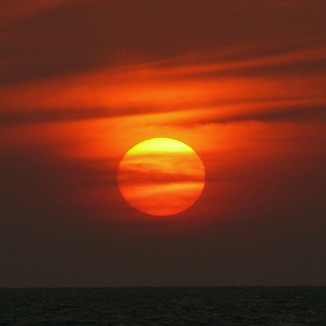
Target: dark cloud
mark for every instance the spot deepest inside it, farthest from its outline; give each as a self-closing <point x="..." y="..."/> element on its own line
<point x="294" y="114"/>
<point x="274" y="113"/>
<point x="26" y="117"/>
<point x="81" y="36"/>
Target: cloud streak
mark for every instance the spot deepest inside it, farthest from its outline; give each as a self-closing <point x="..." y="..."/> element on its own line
<point x="275" y="113"/>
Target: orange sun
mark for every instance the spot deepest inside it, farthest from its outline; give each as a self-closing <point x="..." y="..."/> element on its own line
<point x="161" y="176"/>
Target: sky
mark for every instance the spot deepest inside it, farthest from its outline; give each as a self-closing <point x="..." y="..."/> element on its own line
<point x="240" y="82"/>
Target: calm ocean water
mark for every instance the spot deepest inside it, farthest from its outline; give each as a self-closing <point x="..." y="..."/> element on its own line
<point x="164" y="306"/>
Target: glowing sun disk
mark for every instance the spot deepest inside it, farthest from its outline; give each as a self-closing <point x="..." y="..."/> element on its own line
<point x="161" y="176"/>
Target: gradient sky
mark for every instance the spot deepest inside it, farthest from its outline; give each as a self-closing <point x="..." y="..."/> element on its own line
<point x="241" y="82"/>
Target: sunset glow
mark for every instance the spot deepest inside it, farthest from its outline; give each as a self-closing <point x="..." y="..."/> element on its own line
<point x="190" y="130"/>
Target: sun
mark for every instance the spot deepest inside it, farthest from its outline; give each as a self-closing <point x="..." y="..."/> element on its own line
<point x="161" y="176"/>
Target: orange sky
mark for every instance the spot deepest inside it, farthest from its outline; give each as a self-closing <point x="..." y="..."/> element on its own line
<point x="242" y="83"/>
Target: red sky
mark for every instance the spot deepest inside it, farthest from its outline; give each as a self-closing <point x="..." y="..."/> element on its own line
<point x="241" y="82"/>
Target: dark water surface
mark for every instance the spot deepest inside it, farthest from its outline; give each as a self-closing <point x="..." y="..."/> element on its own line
<point x="164" y="306"/>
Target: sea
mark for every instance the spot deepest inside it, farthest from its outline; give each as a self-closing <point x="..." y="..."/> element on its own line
<point x="164" y="306"/>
